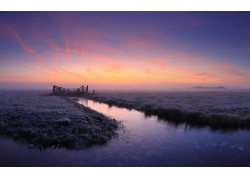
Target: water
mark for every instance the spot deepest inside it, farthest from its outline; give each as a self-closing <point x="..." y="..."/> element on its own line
<point x="143" y="141"/>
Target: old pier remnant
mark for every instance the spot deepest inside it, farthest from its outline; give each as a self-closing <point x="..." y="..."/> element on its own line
<point x="58" y="90"/>
<point x="74" y="92"/>
<point x="87" y="89"/>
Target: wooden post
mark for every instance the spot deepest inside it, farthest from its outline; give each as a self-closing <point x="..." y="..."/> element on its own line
<point x="63" y="91"/>
<point x="87" y="89"/>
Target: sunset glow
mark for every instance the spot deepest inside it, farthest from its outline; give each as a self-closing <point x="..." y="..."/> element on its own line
<point x="135" y="49"/>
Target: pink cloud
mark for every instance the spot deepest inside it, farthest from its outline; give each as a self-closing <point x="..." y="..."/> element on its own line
<point x="58" y="71"/>
<point x="230" y="73"/>
<point x="108" y="59"/>
<point x="192" y="75"/>
<point x="66" y="41"/>
<point x="110" y="68"/>
<point x="99" y="48"/>
<point x="20" y="64"/>
<point x="61" y="53"/>
<point x="160" y="63"/>
<point x="78" y="48"/>
<point x="139" y="42"/>
<point x="51" y="44"/>
<point x="218" y="65"/>
<point x="229" y="69"/>
<point x="31" y="68"/>
<point x="65" y="55"/>
<point x="147" y="71"/>
<point x="69" y="72"/>
<point x="145" y="48"/>
<point x="23" y="45"/>
<point x="54" y="58"/>
<point x="185" y="57"/>
<point x="58" y="49"/>
<point x="90" y="71"/>
<point x="235" y="72"/>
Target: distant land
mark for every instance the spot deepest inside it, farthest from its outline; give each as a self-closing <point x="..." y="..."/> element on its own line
<point x="216" y="87"/>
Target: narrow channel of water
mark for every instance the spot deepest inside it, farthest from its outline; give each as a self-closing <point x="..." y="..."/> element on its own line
<point x="143" y="141"/>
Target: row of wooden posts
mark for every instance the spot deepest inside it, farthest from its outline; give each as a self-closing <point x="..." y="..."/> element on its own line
<point x="80" y="90"/>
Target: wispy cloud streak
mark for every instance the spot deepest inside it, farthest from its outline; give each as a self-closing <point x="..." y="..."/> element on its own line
<point x="23" y="45"/>
<point x="90" y="71"/>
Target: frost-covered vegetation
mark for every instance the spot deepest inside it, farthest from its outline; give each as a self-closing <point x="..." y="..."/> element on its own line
<point x="46" y="120"/>
<point x="218" y="109"/>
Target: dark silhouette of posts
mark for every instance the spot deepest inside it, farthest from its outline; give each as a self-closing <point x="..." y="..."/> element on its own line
<point x="58" y="90"/>
<point x="54" y="89"/>
<point x="82" y="89"/>
<point x="75" y="91"/>
<point x="87" y="89"/>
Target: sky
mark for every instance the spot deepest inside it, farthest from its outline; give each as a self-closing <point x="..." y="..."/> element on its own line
<point x="137" y="50"/>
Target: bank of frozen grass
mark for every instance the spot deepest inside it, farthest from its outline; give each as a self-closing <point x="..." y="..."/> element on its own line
<point x="46" y="120"/>
<point x="214" y="109"/>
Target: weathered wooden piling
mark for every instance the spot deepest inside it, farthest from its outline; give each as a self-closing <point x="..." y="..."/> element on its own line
<point x="87" y="90"/>
<point x="75" y="91"/>
<point x="82" y="89"/>
<point x="58" y="90"/>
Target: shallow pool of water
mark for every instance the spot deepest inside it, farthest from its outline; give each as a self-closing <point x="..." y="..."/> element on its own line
<point x="142" y="141"/>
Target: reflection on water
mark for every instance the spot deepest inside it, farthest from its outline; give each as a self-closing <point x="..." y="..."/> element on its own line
<point x="143" y="141"/>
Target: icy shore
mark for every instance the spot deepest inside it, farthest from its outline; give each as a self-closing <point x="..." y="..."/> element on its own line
<point x="45" y="120"/>
<point x="218" y="109"/>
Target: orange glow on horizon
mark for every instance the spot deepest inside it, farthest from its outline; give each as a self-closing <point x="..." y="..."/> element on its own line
<point x="60" y="49"/>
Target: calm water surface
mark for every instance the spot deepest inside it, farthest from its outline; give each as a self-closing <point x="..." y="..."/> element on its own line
<point x="143" y="141"/>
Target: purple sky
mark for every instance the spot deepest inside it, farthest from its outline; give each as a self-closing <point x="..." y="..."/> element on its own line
<point x="124" y="49"/>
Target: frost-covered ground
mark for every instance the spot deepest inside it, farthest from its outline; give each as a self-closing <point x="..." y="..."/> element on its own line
<point x="200" y="106"/>
<point x="46" y="120"/>
<point x="230" y="102"/>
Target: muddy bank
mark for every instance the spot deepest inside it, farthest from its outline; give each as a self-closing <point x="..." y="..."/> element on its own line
<point x="45" y="120"/>
<point x="149" y="104"/>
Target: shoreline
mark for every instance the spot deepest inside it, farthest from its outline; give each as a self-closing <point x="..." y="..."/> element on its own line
<point x="46" y="120"/>
<point x="178" y="116"/>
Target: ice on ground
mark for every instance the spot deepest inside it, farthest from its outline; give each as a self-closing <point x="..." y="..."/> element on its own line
<point x="227" y="102"/>
<point x="241" y="148"/>
<point x="223" y="144"/>
<point x="52" y="120"/>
